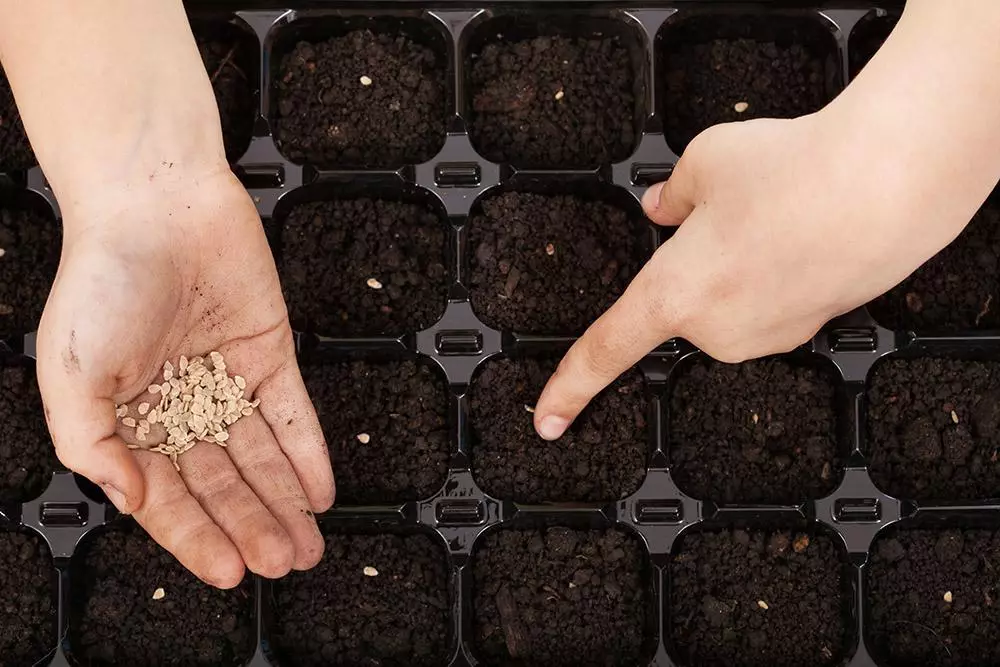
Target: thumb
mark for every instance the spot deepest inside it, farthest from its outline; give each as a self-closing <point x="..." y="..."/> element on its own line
<point x="671" y="202"/>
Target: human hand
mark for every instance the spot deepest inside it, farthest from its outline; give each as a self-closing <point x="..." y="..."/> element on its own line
<point x="182" y="267"/>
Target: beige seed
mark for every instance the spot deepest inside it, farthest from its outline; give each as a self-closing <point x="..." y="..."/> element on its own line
<point x="550" y="249"/>
<point x="159" y="594"/>
<point x="740" y="107"/>
<point x="954" y="416"/>
<point x="144" y="425"/>
<point x="143" y="408"/>
<point x="366" y="80"/>
<point x="154" y="389"/>
<point x="2" y="252"/>
<point x="240" y="382"/>
<point x="364" y="438"/>
<point x="129" y="421"/>
<point x="121" y="411"/>
<point x="762" y="605"/>
<point x="221" y="437"/>
<point x="370" y="571"/>
<point x="136" y="446"/>
<point x="948" y="597"/>
<point x="756" y="418"/>
<point x="374" y="284"/>
<point x="530" y="409"/>
<point x="559" y="95"/>
<point x="140" y="436"/>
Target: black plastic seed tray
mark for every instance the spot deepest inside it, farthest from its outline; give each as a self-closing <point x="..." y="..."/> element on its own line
<point x="450" y="307"/>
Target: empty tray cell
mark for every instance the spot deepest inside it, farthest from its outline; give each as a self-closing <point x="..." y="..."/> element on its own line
<point x="601" y="457"/>
<point x="386" y="426"/>
<point x="555" y="92"/>
<point x="357" y="92"/>
<point x="28" y="613"/>
<point x="720" y="68"/>
<point x="760" y="598"/>
<point x="933" y="597"/>
<point x="763" y="431"/>
<point x="373" y="600"/>
<point x="956" y="290"/>
<point x="363" y="267"/>
<point x="30" y="241"/>
<point x="562" y="597"/>
<point x="934" y="428"/>
<point x="231" y="56"/>
<point x="26" y="453"/>
<point x="550" y="264"/>
<point x="15" y="151"/>
<point x="867" y="38"/>
<point x="132" y="603"/>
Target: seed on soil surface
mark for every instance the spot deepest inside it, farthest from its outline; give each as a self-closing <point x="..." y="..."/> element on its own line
<point x="373" y="283"/>
<point x="801" y="543"/>
<point x="560" y="95"/>
<point x="948" y="597"/>
<point x="756" y="418"/>
<point x="550" y="249"/>
<point x="159" y="594"/>
<point x="740" y="107"/>
<point x="370" y="571"/>
<point x="366" y="80"/>
<point x="954" y="416"/>
<point x="2" y="252"/>
<point x="530" y="409"/>
<point x="762" y="605"/>
<point x="364" y="438"/>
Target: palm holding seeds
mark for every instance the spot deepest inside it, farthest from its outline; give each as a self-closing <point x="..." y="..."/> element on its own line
<point x="179" y="285"/>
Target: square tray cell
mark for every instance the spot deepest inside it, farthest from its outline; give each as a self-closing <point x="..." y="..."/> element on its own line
<point x="28" y="580"/>
<point x="764" y="431"/>
<point x="551" y="264"/>
<point x="360" y="92"/>
<point x="562" y="597"/>
<point x="374" y="599"/>
<point x="27" y="456"/>
<point x="364" y="266"/>
<point x="118" y="617"/>
<point x="934" y="428"/>
<point x="720" y="68"/>
<point x="867" y="38"/>
<point x="230" y="53"/>
<point x="933" y="597"/>
<point x="956" y="290"/>
<point x="760" y="598"/>
<point x="555" y="92"/>
<point x="30" y="240"/>
<point x="15" y="150"/>
<point x="386" y="425"/>
<point x="602" y="457"/>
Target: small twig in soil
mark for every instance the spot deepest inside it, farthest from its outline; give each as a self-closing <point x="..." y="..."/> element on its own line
<point x="928" y="629"/>
<point x="228" y="61"/>
<point x="986" y="309"/>
<point x="511" y="623"/>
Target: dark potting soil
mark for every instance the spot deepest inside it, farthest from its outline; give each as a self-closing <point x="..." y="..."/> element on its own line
<point x="546" y="264"/>
<point x="910" y="622"/>
<point x="15" y="150"/>
<point x="26" y="453"/>
<point x="396" y="616"/>
<point x="116" y="621"/>
<point x="30" y="256"/>
<point x="230" y="61"/>
<point x="601" y="457"/>
<point x="758" y="599"/>
<point x="28" y="611"/>
<point x="400" y="410"/>
<point x="328" y="116"/>
<point x="867" y="38"/>
<point x="763" y="431"/>
<point x="554" y="102"/>
<point x="332" y="250"/>
<point x="917" y="448"/>
<point x="956" y="290"/>
<point x="562" y="597"/>
<point x="706" y="80"/>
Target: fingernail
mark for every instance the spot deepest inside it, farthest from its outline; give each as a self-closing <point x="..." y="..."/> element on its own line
<point x="651" y="198"/>
<point x="552" y="427"/>
<point x="116" y="497"/>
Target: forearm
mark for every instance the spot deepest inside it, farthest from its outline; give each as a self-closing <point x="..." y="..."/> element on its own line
<point x="113" y="94"/>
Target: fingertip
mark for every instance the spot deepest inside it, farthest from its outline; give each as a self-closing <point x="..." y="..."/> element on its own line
<point x="551" y="427"/>
<point x="651" y="198"/>
<point x="322" y="498"/>
<point x="274" y="557"/>
<point x="225" y="572"/>
<point x="308" y="555"/>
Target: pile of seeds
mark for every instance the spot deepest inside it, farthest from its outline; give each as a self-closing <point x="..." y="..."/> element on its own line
<point x="198" y="405"/>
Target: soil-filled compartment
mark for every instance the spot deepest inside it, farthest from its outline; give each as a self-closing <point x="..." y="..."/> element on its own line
<point x="756" y="596"/>
<point x="602" y="457"/>
<point x="30" y="243"/>
<point x="721" y="67"/>
<point x="358" y="91"/>
<point x="548" y="257"/>
<point x="933" y="427"/>
<point x="547" y="92"/>
<point x="27" y="456"/>
<point x="15" y="150"/>
<point x="28" y="580"/>
<point x="933" y="597"/>
<point x="132" y="603"/>
<point x="386" y="426"/>
<point x="371" y="262"/>
<point x="766" y="431"/>
<point x="868" y="36"/>
<point x="562" y="596"/>
<point x="375" y="599"/>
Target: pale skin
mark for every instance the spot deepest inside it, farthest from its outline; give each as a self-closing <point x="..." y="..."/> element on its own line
<point x="786" y="224"/>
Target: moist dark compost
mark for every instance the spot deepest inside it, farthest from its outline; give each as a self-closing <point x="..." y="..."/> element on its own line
<point x="29" y="256"/>
<point x="934" y="428"/>
<point x="15" y="150"/>
<point x="373" y="600"/>
<point x="231" y="61"/>
<point x="363" y="267"/>
<point x="934" y="598"/>
<point x="758" y="432"/>
<point x="28" y="612"/>
<point x="554" y="102"/>
<point x="562" y="597"/>
<point x="758" y="599"/>
<point x="386" y="426"/>
<point x="362" y="100"/>
<point x="867" y="38"/>
<point x="26" y="453"/>
<point x="601" y="457"/>
<point x="711" y="81"/>
<point x="956" y="290"/>
<point x="549" y="264"/>
<point x="134" y="604"/>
